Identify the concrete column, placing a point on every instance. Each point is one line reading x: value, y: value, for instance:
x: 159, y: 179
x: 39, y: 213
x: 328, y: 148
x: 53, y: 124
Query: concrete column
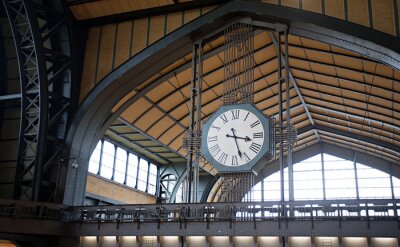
x: 284, y: 241
x: 340, y: 239
x: 313, y: 244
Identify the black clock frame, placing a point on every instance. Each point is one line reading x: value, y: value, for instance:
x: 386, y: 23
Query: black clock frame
x: 265, y: 149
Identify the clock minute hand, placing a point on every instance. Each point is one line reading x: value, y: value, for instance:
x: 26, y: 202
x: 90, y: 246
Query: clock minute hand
x: 246, y: 139
x: 237, y: 146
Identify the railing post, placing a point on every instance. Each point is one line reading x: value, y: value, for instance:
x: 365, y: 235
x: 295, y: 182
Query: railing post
x: 312, y: 217
x: 367, y: 214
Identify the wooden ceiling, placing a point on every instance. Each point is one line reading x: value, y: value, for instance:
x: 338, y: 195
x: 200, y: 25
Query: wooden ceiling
x: 336, y: 96
x: 351, y: 98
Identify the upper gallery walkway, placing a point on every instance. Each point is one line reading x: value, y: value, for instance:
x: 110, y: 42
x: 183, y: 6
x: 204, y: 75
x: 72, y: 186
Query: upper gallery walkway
x: 355, y: 218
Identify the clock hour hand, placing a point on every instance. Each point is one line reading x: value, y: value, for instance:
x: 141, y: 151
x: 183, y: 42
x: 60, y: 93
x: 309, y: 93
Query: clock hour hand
x: 246, y: 139
x: 237, y: 146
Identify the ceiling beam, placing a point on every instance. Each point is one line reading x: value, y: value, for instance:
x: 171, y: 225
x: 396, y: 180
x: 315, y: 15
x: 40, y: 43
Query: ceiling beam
x: 362, y: 118
x: 144, y: 13
x: 138, y: 145
x: 319, y: 117
x: 335, y: 66
x: 351, y: 135
x: 147, y: 135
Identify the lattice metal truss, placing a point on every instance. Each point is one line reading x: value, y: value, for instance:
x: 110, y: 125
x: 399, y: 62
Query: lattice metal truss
x: 192, y: 141
x: 41, y: 40
x: 234, y: 186
x: 239, y: 64
x: 288, y: 136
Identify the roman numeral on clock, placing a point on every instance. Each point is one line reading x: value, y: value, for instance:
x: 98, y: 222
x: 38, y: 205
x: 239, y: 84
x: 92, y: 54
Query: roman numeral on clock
x: 224, y: 118
x: 246, y: 116
x: 212, y: 138
x: 215, y: 127
x: 234, y: 160
x: 258, y: 135
x: 214, y: 150
x: 255, y: 147
x: 247, y: 158
x: 255, y: 124
x: 235, y: 114
x: 222, y: 158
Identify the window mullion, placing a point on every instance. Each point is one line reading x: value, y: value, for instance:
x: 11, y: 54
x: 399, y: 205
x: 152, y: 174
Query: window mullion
x: 356, y: 175
x: 101, y: 158
x: 137, y: 172
x: 148, y: 174
x: 157, y: 190
x: 323, y: 175
x: 391, y: 183
x: 114, y: 161
x: 126, y: 167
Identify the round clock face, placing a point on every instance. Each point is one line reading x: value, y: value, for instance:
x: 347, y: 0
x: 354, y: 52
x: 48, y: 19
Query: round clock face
x: 235, y: 137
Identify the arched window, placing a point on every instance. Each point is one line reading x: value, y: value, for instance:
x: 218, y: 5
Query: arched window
x: 340, y: 181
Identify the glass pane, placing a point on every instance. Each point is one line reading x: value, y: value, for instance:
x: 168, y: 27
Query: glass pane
x: 152, y: 179
x: 396, y: 186
x: 120, y: 165
x: 94, y: 162
x: 373, y: 183
x: 132, y: 170
x: 142, y: 178
x: 107, y: 160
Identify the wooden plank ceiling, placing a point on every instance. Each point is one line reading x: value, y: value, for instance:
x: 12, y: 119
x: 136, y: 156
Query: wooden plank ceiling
x: 343, y: 91
x: 83, y: 9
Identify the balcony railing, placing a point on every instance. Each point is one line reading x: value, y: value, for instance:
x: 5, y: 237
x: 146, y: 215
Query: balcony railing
x: 336, y: 210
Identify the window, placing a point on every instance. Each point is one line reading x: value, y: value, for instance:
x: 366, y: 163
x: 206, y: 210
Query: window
x: 116, y: 163
x: 120, y: 165
x: 272, y: 187
x: 373, y: 183
x: 180, y: 194
x: 396, y: 187
x: 167, y: 184
x: 94, y: 162
x: 340, y: 181
x: 142, y: 179
x: 152, y: 179
x: 132, y: 170
x: 307, y: 177
x: 107, y: 160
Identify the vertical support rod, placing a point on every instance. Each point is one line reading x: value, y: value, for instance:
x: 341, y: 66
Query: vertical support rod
x: 191, y: 124
x: 289, y: 147
x: 198, y: 119
x: 280, y: 119
x: 101, y: 157
x: 114, y: 162
x: 126, y: 167
x: 391, y: 183
x: 323, y: 172
x: 158, y: 191
x: 148, y: 176
x: 356, y: 174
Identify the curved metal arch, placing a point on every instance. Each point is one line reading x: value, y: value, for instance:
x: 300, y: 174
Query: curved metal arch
x: 94, y: 115
x: 41, y: 36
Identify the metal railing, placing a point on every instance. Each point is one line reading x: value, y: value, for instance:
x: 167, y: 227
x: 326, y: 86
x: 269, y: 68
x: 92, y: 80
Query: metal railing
x: 339, y: 210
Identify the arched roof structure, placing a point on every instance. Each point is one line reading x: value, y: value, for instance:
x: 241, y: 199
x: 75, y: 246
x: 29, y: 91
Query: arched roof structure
x: 344, y: 78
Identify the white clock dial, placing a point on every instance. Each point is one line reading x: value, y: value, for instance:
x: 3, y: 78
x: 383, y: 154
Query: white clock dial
x: 235, y: 137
